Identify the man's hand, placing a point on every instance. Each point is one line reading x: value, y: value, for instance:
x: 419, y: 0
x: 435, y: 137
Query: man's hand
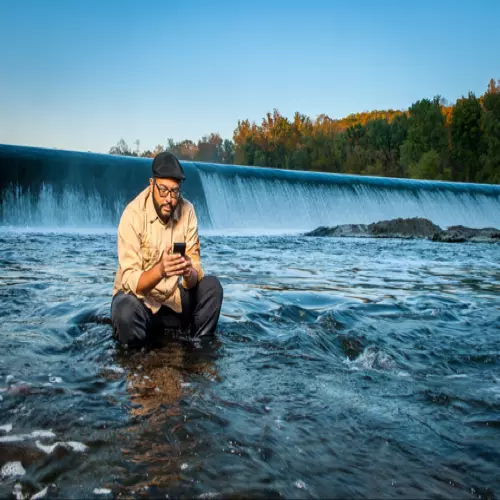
x: 174, y: 264
x: 168, y: 265
x: 188, y: 267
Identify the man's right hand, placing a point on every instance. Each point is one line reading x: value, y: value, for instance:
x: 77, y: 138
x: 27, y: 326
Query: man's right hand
x: 172, y: 264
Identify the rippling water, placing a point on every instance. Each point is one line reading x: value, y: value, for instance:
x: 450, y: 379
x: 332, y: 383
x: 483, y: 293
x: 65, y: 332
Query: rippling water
x: 341, y: 368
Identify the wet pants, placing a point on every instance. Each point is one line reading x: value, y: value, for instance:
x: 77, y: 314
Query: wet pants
x: 135, y: 324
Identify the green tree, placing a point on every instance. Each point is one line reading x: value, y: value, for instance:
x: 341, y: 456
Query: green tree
x: 466, y: 136
x: 429, y: 167
x: 228, y: 152
x: 490, y: 170
x: 122, y: 149
x: 426, y: 133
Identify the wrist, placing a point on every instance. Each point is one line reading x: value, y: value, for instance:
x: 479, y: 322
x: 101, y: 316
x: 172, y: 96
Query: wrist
x: 190, y: 279
x: 161, y: 271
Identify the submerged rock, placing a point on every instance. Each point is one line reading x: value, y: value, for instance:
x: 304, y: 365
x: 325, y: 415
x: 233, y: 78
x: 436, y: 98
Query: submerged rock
x: 416, y: 227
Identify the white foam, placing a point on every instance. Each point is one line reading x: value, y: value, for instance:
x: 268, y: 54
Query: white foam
x: 18, y: 492
x: 43, y: 434
x: 47, y: 448
x: 13, y: 439
x: 116, y: 369
x: 12, y: 469
x: 101, y: 491
x: 75, y: 445
x: 6, y: 427
x: 371, y: 359
x: 40, y: 494
x: 8, y: 378
x: 300, y: 484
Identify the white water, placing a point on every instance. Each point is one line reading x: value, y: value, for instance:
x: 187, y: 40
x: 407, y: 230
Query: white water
x: 247, y: 205
x: 46, y: 209
x: 239, y: 203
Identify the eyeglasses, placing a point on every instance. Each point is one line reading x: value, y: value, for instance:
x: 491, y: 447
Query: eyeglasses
x: 164, y: 191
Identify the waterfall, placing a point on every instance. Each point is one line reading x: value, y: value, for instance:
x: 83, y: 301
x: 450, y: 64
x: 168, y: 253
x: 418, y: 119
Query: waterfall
x: 303, y: 201
x: 44, y: 188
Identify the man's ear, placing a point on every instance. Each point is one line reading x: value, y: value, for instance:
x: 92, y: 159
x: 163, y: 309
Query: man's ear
x: 151, y: 181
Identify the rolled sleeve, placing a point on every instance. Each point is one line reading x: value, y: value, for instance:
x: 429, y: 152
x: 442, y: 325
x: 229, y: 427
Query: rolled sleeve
x: 193, y: 245
x: 129, y: 254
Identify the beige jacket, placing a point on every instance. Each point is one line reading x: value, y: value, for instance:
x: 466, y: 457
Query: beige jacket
x: 142, y: 237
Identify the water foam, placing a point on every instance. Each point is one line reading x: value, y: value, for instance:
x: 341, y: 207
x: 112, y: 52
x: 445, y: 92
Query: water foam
x: 12, y: 469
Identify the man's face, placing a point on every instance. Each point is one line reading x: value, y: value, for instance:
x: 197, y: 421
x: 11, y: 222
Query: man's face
x: 166, y: 193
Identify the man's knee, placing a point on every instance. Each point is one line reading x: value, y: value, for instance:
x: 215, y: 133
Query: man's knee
x: 129, y: 319
x: 210, y: 286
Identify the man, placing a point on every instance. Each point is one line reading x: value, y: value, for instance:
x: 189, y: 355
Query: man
x: 147, y: 295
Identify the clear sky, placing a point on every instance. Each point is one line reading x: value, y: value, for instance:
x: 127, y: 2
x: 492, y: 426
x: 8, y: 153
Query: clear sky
x: 82, y: 74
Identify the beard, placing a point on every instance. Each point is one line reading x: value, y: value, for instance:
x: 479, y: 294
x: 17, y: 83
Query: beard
x: 158, y: 207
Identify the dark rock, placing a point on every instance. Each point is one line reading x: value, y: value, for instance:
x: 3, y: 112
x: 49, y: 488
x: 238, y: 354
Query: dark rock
x: 461, y: 234
x: 356, y: 230
x: 20, y: 452
x: 351, y: 346
x: 416, y: 227
x: 396, y: 228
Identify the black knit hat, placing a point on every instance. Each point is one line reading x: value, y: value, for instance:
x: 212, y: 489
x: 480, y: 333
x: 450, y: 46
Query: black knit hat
x: 167, y: 166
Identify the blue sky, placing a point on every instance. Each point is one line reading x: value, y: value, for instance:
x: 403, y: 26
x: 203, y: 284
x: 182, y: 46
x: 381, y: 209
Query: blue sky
x: 81, y: 74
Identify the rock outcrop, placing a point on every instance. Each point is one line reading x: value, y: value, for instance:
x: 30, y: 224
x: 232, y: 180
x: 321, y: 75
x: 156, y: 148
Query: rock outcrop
x: 461, y: 234
x: 416, y: 227
x: 404, y: 228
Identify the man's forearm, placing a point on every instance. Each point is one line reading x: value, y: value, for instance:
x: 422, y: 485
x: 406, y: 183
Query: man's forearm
x: 149, y: 279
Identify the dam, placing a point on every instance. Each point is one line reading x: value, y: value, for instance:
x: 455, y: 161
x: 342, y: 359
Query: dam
x: 46, y: 188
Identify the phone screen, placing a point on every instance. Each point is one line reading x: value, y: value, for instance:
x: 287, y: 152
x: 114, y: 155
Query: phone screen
x: 180, y: 248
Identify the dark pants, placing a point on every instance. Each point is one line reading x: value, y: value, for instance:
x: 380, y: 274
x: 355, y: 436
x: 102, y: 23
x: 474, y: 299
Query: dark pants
x: 134, y: 324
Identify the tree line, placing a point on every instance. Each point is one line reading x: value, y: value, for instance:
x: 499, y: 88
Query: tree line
x: 431, y: 140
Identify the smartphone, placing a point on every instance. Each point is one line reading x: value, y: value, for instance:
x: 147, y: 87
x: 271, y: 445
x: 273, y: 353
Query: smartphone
x: 180, y: 248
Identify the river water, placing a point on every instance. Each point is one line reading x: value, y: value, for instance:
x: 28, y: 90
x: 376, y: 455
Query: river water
x: 341, y: 368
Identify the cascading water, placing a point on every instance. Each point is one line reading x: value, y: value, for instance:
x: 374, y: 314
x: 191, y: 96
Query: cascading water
x: 256, y: 202
x: 59, y: 189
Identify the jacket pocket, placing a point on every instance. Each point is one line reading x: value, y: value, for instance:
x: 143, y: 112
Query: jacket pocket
x: 150, y: 255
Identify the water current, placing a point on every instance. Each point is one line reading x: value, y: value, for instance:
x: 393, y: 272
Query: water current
x: 341, y: 368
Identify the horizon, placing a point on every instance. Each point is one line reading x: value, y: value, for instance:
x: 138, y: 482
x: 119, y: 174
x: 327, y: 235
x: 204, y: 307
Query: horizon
x: 84, y: 86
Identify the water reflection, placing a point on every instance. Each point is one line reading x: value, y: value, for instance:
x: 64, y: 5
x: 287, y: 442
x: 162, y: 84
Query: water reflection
x: 156, y: 376
x: 160, y: 380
